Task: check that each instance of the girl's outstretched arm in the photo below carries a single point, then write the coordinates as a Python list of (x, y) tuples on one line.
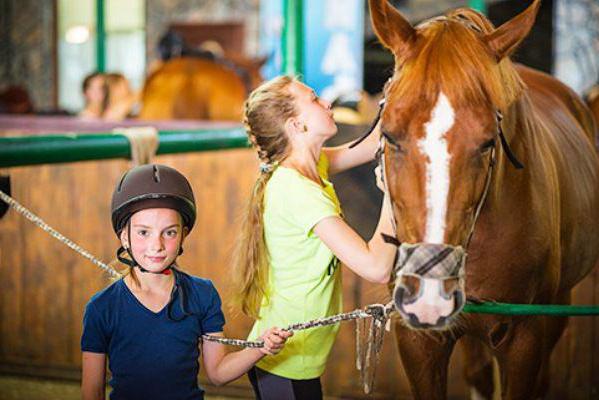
[(373, 261), (342, 157), (222, 368), (93, 378)]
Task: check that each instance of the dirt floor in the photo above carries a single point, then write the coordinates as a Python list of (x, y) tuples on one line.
[(19, 388)]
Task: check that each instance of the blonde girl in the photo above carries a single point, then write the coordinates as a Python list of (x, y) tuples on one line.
[(294, 234)]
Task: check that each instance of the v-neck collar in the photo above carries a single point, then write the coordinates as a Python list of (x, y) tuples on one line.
[(141, 305)]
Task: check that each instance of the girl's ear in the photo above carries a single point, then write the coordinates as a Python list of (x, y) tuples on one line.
[(292, 126), (124, 238), (184, 233)]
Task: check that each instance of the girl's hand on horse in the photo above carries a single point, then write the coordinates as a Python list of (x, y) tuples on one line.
[(274, 340)]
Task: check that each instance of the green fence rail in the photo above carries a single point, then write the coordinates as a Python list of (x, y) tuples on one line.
[(64, 148), (555, 310)]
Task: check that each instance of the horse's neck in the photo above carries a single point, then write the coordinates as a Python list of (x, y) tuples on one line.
[(525, 136), (519, 126)]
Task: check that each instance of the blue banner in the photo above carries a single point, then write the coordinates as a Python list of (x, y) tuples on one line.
[(333, 44)]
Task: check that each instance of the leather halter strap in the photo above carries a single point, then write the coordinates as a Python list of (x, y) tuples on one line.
[(381, 160)]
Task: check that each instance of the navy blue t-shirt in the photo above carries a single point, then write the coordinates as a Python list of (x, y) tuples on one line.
[(151, 356)]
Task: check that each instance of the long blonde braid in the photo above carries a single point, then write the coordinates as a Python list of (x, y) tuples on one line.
[(265, 113)]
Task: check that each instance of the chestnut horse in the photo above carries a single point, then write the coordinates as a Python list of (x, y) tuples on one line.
[(196, 88), (459, 119)]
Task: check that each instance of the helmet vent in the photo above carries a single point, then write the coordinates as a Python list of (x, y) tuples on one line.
[(156, 174)]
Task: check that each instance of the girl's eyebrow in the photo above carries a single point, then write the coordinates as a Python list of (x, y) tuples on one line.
[(149, 227)]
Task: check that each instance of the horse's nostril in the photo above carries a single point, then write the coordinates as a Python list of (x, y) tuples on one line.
[(411, 284), (450, 285)]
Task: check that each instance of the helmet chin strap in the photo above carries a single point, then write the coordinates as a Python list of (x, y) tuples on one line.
[(132, 262), (178, 288)]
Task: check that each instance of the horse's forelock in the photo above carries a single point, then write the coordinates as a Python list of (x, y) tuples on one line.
[(453, 58)]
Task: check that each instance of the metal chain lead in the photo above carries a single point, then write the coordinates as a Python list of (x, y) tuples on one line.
[(40, 223)]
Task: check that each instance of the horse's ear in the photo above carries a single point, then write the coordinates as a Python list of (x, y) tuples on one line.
[(260, 61), (392, 29), (505, 39)]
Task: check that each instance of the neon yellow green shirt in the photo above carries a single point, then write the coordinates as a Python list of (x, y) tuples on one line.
[(304, 281)]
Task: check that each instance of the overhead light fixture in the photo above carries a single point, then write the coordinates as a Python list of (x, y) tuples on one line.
[(77, 34)]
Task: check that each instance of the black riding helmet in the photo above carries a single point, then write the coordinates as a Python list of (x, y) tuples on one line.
[(152, 186)]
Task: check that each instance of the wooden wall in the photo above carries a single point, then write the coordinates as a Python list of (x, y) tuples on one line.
[(44, 286)]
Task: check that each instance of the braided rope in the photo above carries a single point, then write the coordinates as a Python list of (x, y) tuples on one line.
[(378, 312), (57, 235)]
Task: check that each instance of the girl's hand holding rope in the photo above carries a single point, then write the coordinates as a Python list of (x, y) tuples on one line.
[(274, 339)]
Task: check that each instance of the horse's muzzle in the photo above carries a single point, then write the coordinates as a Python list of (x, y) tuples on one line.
[(429, 286)]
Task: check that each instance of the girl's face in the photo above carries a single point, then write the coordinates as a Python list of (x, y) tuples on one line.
[(313, 112), (95, 92), (155, 235)]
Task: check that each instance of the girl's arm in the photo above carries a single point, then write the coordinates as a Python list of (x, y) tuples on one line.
[(373, 261), (93, 379), (342, 157), (222, 368)]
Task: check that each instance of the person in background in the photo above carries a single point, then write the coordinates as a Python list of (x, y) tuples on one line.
[(120, 100), (94, 94)]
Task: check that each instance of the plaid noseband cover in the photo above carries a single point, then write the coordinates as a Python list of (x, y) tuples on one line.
[(429, 260)]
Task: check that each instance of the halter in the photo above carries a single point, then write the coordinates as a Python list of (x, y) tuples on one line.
[(380, 156), (452, 259)]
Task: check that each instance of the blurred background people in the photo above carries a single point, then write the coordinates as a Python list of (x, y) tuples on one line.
[(94, 93), (121, 101)]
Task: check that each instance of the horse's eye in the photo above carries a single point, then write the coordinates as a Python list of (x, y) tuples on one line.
[(488, 145), (392, 142)]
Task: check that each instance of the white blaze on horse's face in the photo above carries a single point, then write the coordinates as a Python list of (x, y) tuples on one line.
[(434, 147)]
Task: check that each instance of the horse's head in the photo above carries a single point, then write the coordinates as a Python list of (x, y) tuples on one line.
[(252, 65), (441, 122)]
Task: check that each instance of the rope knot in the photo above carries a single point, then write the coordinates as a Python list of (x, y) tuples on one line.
[(379, 312)]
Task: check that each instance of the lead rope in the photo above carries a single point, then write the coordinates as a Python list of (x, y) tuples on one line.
[(57, 235), (143, 146), (378, 312), (366, 357)]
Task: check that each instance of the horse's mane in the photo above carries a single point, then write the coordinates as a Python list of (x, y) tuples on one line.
[(449, 55)]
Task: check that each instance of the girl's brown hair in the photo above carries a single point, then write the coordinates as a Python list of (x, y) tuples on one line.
[(265, 113)]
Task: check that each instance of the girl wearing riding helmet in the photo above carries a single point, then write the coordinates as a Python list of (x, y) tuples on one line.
[(294, 234), (149, 323)]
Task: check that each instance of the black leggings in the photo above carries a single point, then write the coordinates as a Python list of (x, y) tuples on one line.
[(268, 386)]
